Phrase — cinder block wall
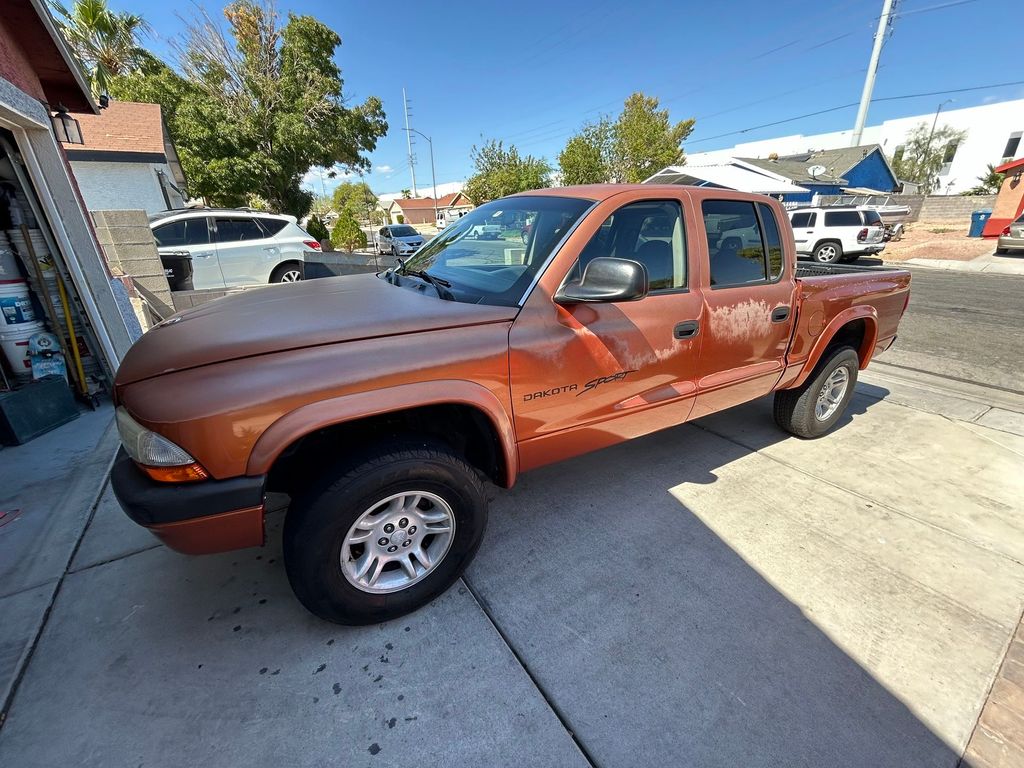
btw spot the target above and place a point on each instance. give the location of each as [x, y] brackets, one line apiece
[128, 244]
[954, 207]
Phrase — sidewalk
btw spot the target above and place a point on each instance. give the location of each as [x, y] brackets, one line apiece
[718, 594]
[991, 263]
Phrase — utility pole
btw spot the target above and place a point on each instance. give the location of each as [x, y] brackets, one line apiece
[869, 79]
[408, 137]
[433, 176]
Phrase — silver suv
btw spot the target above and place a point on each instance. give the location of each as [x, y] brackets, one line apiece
[233, 247]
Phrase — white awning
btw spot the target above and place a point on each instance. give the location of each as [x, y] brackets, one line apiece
[727, 176]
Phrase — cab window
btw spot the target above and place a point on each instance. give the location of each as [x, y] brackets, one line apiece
[772, 241]
[735, 246]
[650, 232]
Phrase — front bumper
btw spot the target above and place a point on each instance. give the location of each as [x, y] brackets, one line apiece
[407, 248]
[194, 518]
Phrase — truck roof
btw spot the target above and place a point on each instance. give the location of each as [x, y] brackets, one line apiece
[599, 192]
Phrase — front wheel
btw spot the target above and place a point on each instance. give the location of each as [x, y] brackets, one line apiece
[813, 408]
[828, 253]
[385, 535]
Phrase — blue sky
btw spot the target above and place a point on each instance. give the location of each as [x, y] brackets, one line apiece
[531, 72]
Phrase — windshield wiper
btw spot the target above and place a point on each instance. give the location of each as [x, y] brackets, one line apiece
[439, 284]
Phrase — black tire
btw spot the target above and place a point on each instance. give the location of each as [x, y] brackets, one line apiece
[1002, 251]
[318, 522]
[394, 251]
[287, 268]
[849, 258]
[828, 252]
[795, 408]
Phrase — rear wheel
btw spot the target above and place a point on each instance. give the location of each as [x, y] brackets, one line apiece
[289, 272]
[383, 536]
[813, 408]
[828, 252]
[1002, 251]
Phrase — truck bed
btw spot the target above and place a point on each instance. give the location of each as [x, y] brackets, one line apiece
[813, 269]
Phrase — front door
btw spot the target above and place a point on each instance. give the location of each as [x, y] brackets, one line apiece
[748, 305]
[191, 235]
[591, 374]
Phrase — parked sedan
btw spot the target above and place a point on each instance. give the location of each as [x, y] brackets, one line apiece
[1012, 237]
[398, 240]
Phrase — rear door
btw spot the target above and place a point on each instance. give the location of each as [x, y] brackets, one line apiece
[192, 235]
[748, 307]
[247, 254]
[803, 230]
[843, 226]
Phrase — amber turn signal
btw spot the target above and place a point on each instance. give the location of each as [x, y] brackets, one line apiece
[187, 473]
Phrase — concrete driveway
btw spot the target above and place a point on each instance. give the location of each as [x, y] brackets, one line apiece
[718, 594]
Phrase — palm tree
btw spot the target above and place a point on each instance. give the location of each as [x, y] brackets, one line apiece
[106, 42]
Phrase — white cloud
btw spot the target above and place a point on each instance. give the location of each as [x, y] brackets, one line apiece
[383, 169]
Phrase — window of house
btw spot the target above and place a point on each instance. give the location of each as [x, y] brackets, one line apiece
[897, 154]
[1012, 145]
[735, 245]
[181, 233]
[235, 230]
[947, 157]
[650, 232]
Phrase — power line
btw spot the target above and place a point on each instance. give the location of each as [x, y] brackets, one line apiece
[854, 104]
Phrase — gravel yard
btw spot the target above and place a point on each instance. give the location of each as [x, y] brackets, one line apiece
[937, 240]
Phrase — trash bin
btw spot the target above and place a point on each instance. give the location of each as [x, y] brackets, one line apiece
[978, 219]
[178, 268]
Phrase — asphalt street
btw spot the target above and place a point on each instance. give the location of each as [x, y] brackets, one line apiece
[967, 326]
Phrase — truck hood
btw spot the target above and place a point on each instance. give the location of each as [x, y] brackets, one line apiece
[295, 315]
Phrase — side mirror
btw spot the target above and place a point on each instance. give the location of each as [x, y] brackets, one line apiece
[606, 279]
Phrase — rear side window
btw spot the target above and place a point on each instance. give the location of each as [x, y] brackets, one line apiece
[772, 240]
[803, 220]
[872, 219]
[182, 232]
[735, 245]
[272, 226]
[234, 230]
[842, 219]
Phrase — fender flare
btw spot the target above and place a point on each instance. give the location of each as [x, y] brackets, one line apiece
[864, 312]
[338, 410]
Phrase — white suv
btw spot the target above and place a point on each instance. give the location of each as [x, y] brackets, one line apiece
[233, 247]
[837, 234]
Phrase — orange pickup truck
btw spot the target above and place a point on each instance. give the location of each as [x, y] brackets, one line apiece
[382, 403]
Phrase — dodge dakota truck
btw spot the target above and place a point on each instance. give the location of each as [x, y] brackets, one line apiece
[381, 404]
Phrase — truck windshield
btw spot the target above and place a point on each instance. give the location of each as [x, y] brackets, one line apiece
[492, 254]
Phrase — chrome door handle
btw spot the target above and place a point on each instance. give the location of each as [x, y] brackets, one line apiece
[203, 255]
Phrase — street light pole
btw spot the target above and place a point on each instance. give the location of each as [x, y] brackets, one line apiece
[928, 149]
[433, 176]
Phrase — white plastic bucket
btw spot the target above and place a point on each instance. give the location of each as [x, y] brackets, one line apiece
[15, 347]
[9, 271]
[15, 306]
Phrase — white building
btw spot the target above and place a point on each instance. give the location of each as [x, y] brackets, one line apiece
[993, 135]
[127, 160]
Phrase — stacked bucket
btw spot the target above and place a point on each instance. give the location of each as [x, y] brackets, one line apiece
[17, 314]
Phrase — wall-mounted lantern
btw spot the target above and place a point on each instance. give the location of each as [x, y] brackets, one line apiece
[65, 127]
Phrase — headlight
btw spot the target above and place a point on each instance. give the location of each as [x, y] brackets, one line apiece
[156, 455]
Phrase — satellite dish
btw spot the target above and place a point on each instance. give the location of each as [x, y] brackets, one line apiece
[815, 171]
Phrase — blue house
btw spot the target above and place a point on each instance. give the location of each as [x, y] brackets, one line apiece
[850, 170]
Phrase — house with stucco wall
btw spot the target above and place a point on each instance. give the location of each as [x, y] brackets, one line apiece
[127, 160]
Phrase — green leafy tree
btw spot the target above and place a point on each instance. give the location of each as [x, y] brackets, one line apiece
[920, 158]
[356, 198]
[406, 194]
[346, 232]
[588, 156]
[501, 172]
[645, 140]
[317, 228]
[989, 183]
[106, 42]
[640, 142]
[253, 109]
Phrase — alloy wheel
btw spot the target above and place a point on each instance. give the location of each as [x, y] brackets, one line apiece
[832, 393]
